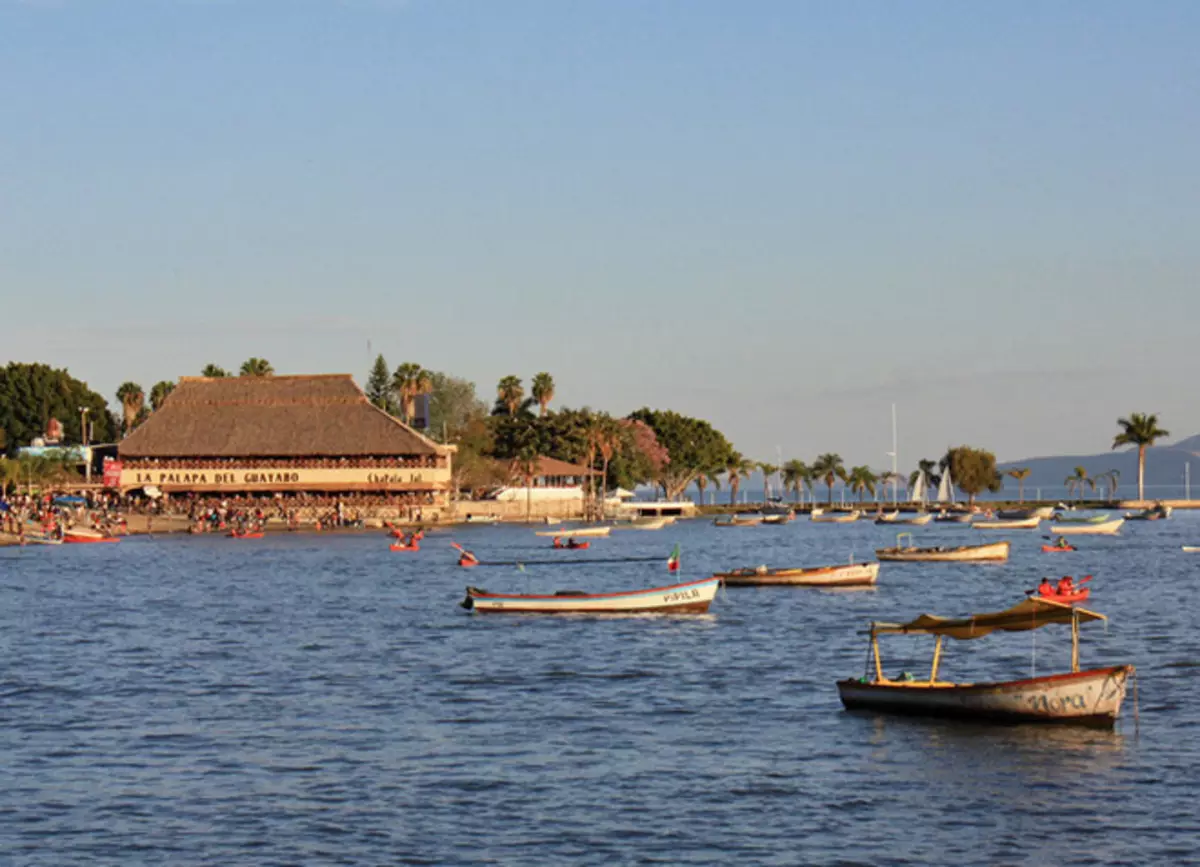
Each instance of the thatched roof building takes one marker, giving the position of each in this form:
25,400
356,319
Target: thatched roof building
272,416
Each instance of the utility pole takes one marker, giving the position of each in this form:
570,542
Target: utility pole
86,440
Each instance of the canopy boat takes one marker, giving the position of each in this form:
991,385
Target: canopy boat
835,518
846,575
1064,518
1022,524
962,554
577,531
1090,697
1108,528
84,536
1157,512
694,597
738,521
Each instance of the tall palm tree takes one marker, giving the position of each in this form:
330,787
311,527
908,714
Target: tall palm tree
767,470
827,468
212,371
701,484
1141,431
159,393
737,469
1079,480
1020,474
1112,478
408,382
510,393
256,367
133,399
862,479
543,391
794,474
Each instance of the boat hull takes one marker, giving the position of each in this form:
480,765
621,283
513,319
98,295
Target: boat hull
577,532
967,554
74,539
834,519
1108,528
1026,524
691,598
1088,697
849,575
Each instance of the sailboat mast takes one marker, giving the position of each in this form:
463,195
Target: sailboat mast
895,460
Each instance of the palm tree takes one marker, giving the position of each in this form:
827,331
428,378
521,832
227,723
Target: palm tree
543,391
132,400
256,367
212,371
1113,478
1020,474
862,479
794,474
159,393
1079,480
510,393
828,467
1141,431
409,381
713,479
736,470
701,484
768,470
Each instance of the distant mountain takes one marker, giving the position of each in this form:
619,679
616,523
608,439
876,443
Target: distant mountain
1165,470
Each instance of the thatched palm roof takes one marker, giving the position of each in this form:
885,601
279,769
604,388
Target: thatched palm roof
272,416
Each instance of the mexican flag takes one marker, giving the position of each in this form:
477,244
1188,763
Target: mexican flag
673,560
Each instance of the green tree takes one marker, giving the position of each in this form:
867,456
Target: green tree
827,468
510,393
693,447
454,406
212,371
159,392
1141,431
408,382
32,394
861,480
133,401
737,469
768,470
379,385
256,367
794,474
1020,474
973,470
543,391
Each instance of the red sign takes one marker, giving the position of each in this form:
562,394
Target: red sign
112,473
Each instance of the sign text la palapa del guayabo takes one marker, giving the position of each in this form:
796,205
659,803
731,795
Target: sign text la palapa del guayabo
284,478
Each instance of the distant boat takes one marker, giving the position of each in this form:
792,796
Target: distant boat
962,554
1158,512
483,519
1021,524
1108,528
651,524
693,597
1042,513
845,575
953,518
894,518
738,521
1061,518
1191,549
575,531
835,517
80,535
779,519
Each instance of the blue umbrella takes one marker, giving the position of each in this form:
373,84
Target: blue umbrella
68,501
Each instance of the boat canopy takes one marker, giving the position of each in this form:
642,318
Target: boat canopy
1031,613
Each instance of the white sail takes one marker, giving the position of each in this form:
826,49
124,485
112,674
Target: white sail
945,492
918,489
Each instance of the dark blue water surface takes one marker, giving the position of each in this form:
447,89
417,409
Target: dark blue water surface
321,700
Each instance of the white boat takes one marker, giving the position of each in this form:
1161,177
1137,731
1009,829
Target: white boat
835,517
962,554
694,597
651,524
1191,549
918,489
481,519
945,491
1042,513
1026,524
1090,697
844,575
1108,528
575,532
894,518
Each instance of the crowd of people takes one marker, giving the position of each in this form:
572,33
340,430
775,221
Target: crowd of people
49,515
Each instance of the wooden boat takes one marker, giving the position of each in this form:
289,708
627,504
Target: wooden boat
576,531
894,518
962,554
1062,518
651,524
1090,697
735,521
835,518
1042,513
779,519
83,536
1105,529
694,597
845,575
959,518
1023,524
1191,549
1157,512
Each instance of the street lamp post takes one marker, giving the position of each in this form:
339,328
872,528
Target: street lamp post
85,439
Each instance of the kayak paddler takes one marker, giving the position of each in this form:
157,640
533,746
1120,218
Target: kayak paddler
1045,588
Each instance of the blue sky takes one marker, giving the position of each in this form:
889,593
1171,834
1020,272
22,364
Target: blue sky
780,216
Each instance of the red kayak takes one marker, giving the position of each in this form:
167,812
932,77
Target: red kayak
87,540
573,546
1079,595
413,547
245,535
1046,549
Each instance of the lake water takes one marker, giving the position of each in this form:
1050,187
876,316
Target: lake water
321,700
